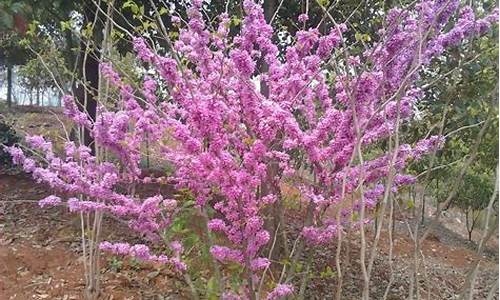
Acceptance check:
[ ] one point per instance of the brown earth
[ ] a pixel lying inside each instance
(39, 253)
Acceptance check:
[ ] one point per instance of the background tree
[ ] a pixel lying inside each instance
(461, 94)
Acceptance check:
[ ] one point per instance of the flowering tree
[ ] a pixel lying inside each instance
(236, 141)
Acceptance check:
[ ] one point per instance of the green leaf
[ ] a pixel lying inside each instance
(134, 8)
(212, 289)
(299, 267)
(324, 3)
(17, 7)
(148, 24)
(173, 35)
(32, 27)
(235, 21)
(163, 11)
(87, 31)
(65, 25)
(285, 262)
(328, 273)
(410, 204)
(363, 37)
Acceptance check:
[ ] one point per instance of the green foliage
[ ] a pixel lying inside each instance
(35, 74)
(29, 15)
(212, 292)
(8, 137)
(135, 264)
(132, 6)
(187, 227)
(475, 191)
(115, 264)
(410, 204)
(9, 9)
(327, 273)
(11, 50)
(463, 86)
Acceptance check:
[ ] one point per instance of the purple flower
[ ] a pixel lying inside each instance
(225, 254)
(217, 225)
(176, 246)
(16, 153)
(243, 62)
(49, 201)
(303, 18)
(319, 236)
(280, 291)
(76, 205)
(175, 19)
(110, 74)
(71, 111)
(142, 50)
(259, 263)
(29, 165)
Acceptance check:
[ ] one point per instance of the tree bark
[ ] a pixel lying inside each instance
(468, 224)
(388, 4)
(9, 86)
(88, 65)
(423, 209)
(269, 8)
(276, 211)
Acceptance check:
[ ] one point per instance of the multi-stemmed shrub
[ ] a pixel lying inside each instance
(237, 120)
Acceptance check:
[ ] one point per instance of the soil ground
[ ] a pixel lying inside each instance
(40, 254)
(39, 258)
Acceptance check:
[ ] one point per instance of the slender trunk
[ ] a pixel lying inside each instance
(305, 277)
(349, 237)
(391, 246)
(438, 203)
(412, 198)
(209, 243)
(377, 219)
(493, 290)
(97, 90)
(301, 243)
(388, 4)
(467, 223)
(9, 86)
(393, 218)
(88, 63)
(423, 209)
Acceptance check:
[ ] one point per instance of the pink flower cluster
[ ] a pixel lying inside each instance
(280, 291)
(49, 201)
(142, 252)
(77, 172)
